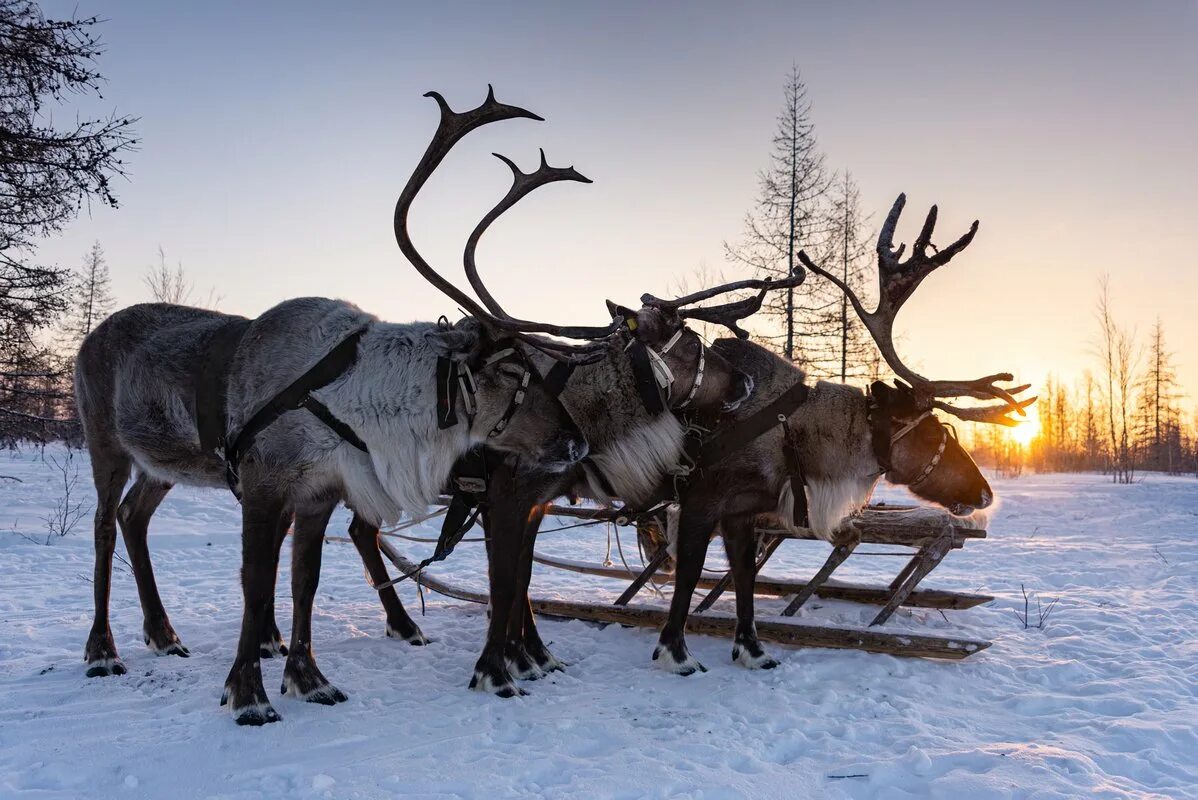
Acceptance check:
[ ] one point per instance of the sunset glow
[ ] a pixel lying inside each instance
(1027, 429)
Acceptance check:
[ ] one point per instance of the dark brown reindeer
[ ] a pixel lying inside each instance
(843, 440)
(634, 438)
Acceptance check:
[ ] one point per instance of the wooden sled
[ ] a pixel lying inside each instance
(930, 541)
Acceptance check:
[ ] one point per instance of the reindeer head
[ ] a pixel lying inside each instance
(494, 380)
(507, 402)
(911, 444)
(691, 374)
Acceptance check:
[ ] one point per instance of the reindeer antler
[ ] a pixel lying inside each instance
(897, 280)
(726, 314)
(451, 128)
(522, 185)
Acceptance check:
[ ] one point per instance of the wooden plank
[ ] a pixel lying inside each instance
(777, 587)
(782, 632)
(835, 559)
(722, 584)
(927, 560)
(639, 582)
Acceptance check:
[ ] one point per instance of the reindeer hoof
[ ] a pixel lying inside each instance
(681, 663)
(481, 682)
(302, 680)
(744, 656)
(257, 714)
(413, 636)
(103, 667)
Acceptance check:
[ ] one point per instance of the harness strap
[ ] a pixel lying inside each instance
(645, 378)
(727, 440)
(800, 514)
(293, 398)
(466, 504)
(700, 450)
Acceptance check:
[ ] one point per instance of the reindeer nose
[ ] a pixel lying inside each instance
(987, 498)
(577, 450)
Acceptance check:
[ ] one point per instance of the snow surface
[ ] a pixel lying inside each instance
(1100, 703)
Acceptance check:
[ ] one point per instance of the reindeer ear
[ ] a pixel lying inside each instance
(882, 393)
(902, 387)
(617, 310)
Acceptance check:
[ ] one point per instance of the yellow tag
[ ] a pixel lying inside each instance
(631, 323)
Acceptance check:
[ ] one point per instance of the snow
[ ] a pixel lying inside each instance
(1101, 702)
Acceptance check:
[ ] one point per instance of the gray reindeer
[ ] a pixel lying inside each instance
(374, 439)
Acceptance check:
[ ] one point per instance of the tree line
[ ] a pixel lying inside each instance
(1126, 414)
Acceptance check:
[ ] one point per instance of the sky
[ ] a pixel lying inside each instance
(276, 137)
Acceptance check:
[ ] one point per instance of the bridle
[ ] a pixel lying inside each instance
(456, 379)
(663, 376)
(884, 441)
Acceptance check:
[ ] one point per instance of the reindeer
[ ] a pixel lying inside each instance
(634, 436)
(843, 439)
(375, 438)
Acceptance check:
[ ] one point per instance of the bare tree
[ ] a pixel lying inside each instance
(851, 242)
(788, 216)
(168, 285)
(91, 299)
(47, 173)
(1158, 391)
(1118, 360)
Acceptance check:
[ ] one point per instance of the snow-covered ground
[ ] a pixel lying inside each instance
(1100, 703)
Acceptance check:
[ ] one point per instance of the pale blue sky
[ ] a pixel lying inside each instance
(277, 135)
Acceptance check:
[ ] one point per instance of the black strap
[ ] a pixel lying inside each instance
(466, 503)
(558, 376)
(294, 397)
(322, 413)
(700, 451)
(212, 384)
(643, 377)
(800, 513)
(728, 439)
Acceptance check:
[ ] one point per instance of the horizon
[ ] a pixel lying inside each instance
(1068, 136)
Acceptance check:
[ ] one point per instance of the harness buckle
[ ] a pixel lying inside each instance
(471, 485)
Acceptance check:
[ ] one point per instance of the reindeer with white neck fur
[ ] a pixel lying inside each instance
(845, 441)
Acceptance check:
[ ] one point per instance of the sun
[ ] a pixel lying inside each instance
(1027, 429)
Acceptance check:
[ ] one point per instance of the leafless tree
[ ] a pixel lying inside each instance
(91, 298)
(789, 216)
(1118, 359)
(47, 173)
(169, 285)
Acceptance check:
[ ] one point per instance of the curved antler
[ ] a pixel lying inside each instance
(451, 128)
(897, 280)
(522, 185)
(727, 314)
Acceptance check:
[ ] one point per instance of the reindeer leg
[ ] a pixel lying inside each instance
(740, 543)
(694, 534)
(110, 471)
(134, 516)
(527, 656)
(301, 677)
(399, 625)
(264, 522)
(270, 644)
(505, 526)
